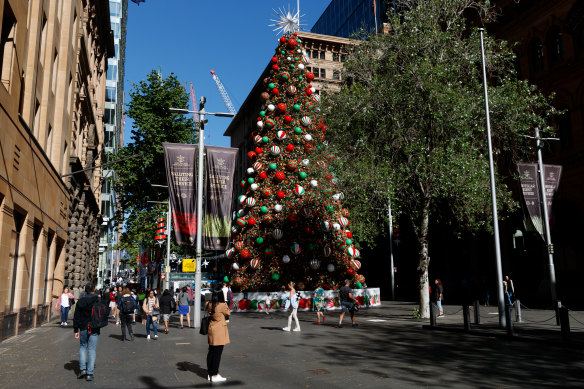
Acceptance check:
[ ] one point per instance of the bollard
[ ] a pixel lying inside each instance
(517, 311)
(557, 307)
(509, 319)
(565, 322)
(477, 312)
(432, 315)
(466, 315)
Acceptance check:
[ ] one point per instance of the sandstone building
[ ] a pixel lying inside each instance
(53, 63)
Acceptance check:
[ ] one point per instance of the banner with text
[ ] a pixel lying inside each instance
(181, 176)
(220, 166)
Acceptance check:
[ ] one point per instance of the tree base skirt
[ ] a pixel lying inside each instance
(258, 301)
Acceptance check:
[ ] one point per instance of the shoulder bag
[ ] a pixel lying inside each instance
(205, 323)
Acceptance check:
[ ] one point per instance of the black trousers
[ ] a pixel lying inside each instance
(213, 359)
(126, 321)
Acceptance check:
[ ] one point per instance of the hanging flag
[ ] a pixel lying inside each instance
(138, 1)
(220, 166)
(181, 176)
(551, 179)
(374, 9)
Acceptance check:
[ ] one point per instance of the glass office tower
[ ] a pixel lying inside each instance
(344, 18)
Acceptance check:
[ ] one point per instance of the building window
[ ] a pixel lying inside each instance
(7, 46)
(54, 72)
(336, 75)
(112, 72)
(314, 54)
(316, 72)
(15, 254)
(116, 29)
(322, 55)
(536, 58)
(43, 41)
(49, 144)
(115, 9)
(343, 57)
(109, 116)
(336, 57)
(322, 73)
(555, 45)
(36, 232)
(110, 94)
(37, 118)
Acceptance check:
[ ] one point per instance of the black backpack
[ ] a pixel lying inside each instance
(127, 305)
(99, 315)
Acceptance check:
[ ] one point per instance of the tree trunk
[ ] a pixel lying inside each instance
(424, 262)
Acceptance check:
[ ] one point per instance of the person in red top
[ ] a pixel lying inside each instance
(112, 304)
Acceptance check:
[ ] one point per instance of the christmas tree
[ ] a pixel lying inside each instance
(291, 225)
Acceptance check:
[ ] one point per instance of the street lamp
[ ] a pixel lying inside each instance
(202, 122)
(168, 232)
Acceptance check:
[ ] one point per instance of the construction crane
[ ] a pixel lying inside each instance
(223, 93)
(194, 104)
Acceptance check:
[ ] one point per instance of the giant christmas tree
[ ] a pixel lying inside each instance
(291, 225)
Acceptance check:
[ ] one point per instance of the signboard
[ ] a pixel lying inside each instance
(189, 265)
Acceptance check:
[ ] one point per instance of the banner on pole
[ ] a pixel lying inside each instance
(179, 160)
(220, 166)
(551, 179)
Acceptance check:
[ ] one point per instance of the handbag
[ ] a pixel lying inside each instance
(205, 321)
(71, 302)
(155, 312)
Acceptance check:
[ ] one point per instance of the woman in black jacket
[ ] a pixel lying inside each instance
(166, 308)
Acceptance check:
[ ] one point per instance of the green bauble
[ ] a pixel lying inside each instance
(297, 130)
(275, 276)
(292, 66)
(297, 107)
(349, 242)
(273, 166)
(250, 180)
(358, 285)
(226, 279)
(264, 209)
(265, 139)
(330, 208)
(262, 113)
(271, 85)
(260, 240)
(302, 175)
(300, 78)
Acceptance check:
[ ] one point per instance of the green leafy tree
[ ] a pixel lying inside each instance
(410, 123)
(149, 105)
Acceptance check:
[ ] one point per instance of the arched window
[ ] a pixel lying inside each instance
(536, 58)
(555, 44)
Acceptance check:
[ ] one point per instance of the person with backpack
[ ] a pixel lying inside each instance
(89, 317)
(126, 307)
(167, 306)
(151, 308)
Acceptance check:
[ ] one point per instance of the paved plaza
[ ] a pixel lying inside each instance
(389, 349)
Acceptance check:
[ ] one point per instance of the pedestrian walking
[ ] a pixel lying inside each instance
(151, 308)
(135, 297)
(292, 302)
(112, 303)
(217, 335)
(348, 304)
(267, 303)
(166, 308)
(184, 302)
(126, 307)
(119, 295)
(87, 336)
(439, 296)
(65, 302)
(509, 290)
(318, 301)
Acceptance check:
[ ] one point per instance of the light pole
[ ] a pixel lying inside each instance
(501, 303)
(202, 121)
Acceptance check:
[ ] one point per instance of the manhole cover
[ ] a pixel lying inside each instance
(319, 371)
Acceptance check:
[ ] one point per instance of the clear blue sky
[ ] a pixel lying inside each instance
(191, 37)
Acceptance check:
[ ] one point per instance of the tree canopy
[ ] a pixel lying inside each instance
(410, 122)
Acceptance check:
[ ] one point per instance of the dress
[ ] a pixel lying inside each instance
(319, 300)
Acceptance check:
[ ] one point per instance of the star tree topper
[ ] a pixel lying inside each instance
(286, 22)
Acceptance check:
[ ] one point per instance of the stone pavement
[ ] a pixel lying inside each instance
(389, 349)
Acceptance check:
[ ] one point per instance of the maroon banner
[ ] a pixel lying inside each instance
(551, 179)
(220, 166)
(530, 189)
(181, 175)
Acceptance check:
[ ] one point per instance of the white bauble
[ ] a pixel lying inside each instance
(253, 187)
(301, 66)
(336, 197)
(313, 89)
(289, 58)
(260, 124)
(298, 50)
(235, 266)
(250, 171)
(271, 107)
(330, 267)
(277, 208)
(336, 226)
(308, 137)
(285, 259)
(313, 183)
(305, 162)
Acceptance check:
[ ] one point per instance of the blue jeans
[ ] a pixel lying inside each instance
(87, 347)
(439, 304)
(64, 314)
(154, 324)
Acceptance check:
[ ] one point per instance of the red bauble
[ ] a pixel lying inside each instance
(308, 92)
(276, 91)
(292, 218)
(266, 192)
(263, 175)
(275, 59)
(292, 43)
(251, 155)
(282, 107)
(258, 150)
(275, 67)
(290, 147)
(283, 39)
(280, 195)
(280, 176)
(287, 119)
(351, 272)
(251, 221)
(307, 230)
(245, 254)
(310, 76)
(349, 234)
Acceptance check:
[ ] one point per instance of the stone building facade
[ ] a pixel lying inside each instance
(53, 61)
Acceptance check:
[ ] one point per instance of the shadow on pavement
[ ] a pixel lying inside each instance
(152, 383)
(193, 368)
(72, 366)
(272, 328)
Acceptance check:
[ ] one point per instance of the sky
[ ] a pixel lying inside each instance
(191, 37)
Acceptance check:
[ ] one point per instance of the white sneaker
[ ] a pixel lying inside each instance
(218, 378)
(297, 329)
(208, 377)
(148, 337)
(65, 323)
(155, 336)
(286, 329)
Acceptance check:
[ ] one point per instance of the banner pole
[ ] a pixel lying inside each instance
(197, 305)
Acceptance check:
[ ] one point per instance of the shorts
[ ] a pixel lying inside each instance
(183, 309)
(165, 316)
(112, 304)
(346, 306)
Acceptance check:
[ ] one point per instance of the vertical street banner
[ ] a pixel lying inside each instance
(218, 192)
(530, 188)
(181, 175)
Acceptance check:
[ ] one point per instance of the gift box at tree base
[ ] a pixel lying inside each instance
(291, 225)
(276, 301)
